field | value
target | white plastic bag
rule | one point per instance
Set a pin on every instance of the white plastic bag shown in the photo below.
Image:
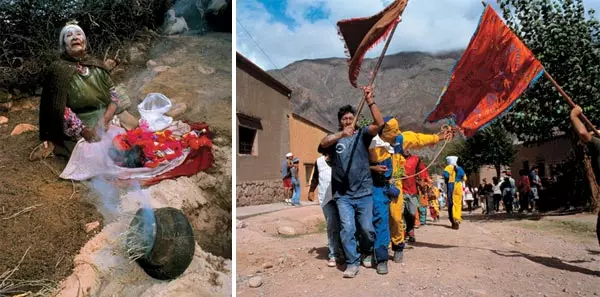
(152, 111)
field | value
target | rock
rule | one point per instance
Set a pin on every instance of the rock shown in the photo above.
(239, 224)
(565, 290)
(285, 230)
(205, 69)
(25, 104)
(221, 141)
(517, 241)
(281, 260)
(135, 55)
(177, 109)
(110, 64)
(22, 128)
(91, 226)
(4, 107)
(267, 265)
(3, 120)
(169, 61)
(117, 71)
(255, 282)
(251, 253)
(159, 69)
(320, 277)
(151, 63)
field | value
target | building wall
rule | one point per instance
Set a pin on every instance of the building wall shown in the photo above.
(546, 154)
(304, 140)
(259, 175)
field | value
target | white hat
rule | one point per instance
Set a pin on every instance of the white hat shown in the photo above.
(452, 160)
(288, 155)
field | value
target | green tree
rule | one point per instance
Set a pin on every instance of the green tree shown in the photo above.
(362, 122)
(491, 146)
(567, 42)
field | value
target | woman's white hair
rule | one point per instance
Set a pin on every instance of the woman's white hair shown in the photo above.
(61, 40)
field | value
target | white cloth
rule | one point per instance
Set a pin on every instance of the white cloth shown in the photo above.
(324, 187)
(378, 142)
(468, 194)
(452, 160)
(497, 189)
(91, 159)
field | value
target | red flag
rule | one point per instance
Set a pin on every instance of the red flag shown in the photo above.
(492, 73)
(361, 34)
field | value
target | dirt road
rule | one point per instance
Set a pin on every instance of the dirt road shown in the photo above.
(500, 256)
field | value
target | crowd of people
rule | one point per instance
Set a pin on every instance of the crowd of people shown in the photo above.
(374, 193)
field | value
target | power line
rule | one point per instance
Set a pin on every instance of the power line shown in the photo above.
(263, 51)
(256, 43)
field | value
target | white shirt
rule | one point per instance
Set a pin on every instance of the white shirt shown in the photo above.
(497, 189)
(324, 187)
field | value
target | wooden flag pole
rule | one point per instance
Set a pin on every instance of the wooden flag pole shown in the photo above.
(375, 70)
(571, 103)
(564, 95)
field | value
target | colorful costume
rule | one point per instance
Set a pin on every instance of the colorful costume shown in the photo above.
(434, 205)
(412, 195)
(400, 141)
(454, 175)
(380, 153)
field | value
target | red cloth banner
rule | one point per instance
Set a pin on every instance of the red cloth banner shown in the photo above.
(492, 73)
(361, 34)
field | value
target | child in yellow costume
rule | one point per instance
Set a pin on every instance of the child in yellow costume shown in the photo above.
(400, 141)
(454, 175)
(434, 205)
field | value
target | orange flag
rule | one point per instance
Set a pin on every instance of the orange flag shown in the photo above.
(361, 34)
(492, 73)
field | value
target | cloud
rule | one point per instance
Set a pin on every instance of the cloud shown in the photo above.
(294, 30)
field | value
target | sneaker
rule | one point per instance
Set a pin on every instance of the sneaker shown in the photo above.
(412, 239)
(382, 268)
(351, 271)
(368, 261)
(398, 256)
(332, 262)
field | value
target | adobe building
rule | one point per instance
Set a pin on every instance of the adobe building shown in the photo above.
(263, 134)
(305, 137)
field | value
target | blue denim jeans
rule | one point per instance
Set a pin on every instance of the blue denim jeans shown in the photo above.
(296, 196)
(332, 221)
(381, 223)
(356, 217)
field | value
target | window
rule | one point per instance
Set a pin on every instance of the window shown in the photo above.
(308, 171)
(248, 127)
(246, 138)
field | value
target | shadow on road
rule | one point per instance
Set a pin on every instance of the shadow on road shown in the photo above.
(322, 253)
(548, 261)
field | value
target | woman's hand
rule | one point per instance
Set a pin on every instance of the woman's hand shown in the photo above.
(109, 114)
(89, 135)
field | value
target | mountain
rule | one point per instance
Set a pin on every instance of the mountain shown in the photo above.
(407, 86)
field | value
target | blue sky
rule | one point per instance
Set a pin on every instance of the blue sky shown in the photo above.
(292, 30)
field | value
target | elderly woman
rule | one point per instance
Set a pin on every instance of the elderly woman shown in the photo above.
(79, 99)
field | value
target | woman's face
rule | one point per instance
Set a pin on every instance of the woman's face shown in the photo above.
(75, 42)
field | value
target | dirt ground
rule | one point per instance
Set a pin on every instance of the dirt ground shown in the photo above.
(520, 255)
(54, 211)
(54, 228)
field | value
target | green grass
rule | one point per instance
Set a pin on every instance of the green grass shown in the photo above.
(565, 227)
